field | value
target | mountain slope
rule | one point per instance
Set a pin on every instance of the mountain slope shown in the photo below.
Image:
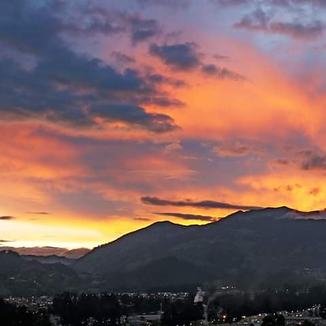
(53, 259)
(48, 251)
(21, 277)
(246, 248)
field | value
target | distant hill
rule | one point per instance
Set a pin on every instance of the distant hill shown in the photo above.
(53, 259)
(19, 276)
(48, 251)
(256, 248)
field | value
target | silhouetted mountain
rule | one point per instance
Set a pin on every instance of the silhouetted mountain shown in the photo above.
(53, 259)
(253, 248)
(19, 276)
(260, 248)
(48, 251)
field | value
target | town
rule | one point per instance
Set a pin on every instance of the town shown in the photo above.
(142, 308)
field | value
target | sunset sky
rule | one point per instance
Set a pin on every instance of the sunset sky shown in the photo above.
(118, 113)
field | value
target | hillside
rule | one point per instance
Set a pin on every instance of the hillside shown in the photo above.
(48, 251)
(252, 249)
(19, 276)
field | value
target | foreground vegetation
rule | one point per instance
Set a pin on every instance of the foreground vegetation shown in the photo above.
(173, 309)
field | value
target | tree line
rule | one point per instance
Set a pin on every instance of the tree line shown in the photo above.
(108, 309)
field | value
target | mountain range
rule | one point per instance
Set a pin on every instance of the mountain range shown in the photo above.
(24, 277)
(253, 249)
(48, 251)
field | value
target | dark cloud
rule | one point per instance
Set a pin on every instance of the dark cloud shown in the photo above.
(183, 56)
(189, 216)
(313, 160)
(89, 19)
(6, 218)
(134, 115)
(4, 241)
(27, 29)
(159, 79)
(257, 21)
(314, 191)
(207, 204)
(165, 102)
(33, 96)
(282, 162)
(142, 219)
(143, 29)
(122, 58)
(50, 89)
(232, 150)
(39, 213)
(221, 72)
(261, 21)
(298, 30)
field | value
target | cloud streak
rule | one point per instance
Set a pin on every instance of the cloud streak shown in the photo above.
(6, 218)
(186, 57)
(313, 160)
(39, 213)
(190, 217)
(260, 21)
(206, 204)
(183, 56)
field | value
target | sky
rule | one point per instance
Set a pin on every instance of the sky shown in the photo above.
(118, 114)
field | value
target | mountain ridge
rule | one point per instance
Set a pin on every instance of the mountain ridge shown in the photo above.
(249, 249)
(261, 243)
(46, 251)
(23, 277)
